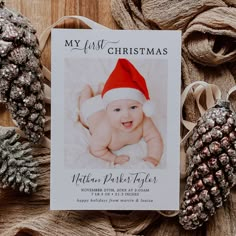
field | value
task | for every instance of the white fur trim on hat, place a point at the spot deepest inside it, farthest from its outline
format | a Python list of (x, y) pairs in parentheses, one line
[(130, 93), (123, 93), (149, 108)]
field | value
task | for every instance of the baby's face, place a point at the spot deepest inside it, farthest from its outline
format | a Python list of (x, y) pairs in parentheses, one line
[(125, 114)]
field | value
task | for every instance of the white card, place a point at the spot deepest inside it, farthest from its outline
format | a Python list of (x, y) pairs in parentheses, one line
[(109, 154)]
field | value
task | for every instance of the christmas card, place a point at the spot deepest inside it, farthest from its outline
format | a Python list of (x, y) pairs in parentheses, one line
[(115, 119)]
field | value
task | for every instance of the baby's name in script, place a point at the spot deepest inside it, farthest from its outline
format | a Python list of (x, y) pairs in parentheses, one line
[(137, 178)]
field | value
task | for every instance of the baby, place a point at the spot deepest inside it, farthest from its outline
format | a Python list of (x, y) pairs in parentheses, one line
[(119, 116)]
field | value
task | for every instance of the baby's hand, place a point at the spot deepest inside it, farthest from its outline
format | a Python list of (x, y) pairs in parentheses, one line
[(152, 160), (121, 159)]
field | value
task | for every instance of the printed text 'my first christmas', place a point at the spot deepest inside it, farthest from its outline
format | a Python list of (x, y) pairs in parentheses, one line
[(112, 47)]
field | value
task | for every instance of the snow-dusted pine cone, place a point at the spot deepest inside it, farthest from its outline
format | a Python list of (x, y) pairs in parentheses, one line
[(21, 76), (18, 169), (212, 165)]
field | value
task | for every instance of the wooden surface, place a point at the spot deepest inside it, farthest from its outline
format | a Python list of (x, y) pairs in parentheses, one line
[(43, 13)]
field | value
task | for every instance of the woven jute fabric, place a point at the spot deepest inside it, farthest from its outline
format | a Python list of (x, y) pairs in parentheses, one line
[(209, 54), (208, 35)]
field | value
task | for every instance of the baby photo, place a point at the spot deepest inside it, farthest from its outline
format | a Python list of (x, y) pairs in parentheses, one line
[(115, 113)]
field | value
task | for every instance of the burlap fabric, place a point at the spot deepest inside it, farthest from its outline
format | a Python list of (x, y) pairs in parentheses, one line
[(208, 35), (209, 54)]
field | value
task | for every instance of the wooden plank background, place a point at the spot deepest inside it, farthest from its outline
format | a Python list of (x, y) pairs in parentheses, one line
[(43, 13)]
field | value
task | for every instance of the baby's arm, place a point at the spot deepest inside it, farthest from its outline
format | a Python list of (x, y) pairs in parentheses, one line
[(154, 142), (99, 142)]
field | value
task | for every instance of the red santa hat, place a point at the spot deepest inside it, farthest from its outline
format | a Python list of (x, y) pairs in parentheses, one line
[(125, 82)]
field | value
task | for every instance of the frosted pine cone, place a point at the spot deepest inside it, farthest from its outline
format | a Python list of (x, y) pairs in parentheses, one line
[(21, 76), (212, 165), (17, 167)]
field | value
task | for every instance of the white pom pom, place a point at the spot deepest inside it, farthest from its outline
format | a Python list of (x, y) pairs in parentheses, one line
[(149, 108)]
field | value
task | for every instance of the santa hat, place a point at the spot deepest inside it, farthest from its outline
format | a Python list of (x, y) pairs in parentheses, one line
[(125, 82)]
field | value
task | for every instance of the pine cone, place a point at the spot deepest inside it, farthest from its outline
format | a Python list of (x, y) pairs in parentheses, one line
[(212, 165), (21, 76), (17, 167)]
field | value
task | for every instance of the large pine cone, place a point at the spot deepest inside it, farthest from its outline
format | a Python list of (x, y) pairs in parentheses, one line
[(212, 165), (21, 76)]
